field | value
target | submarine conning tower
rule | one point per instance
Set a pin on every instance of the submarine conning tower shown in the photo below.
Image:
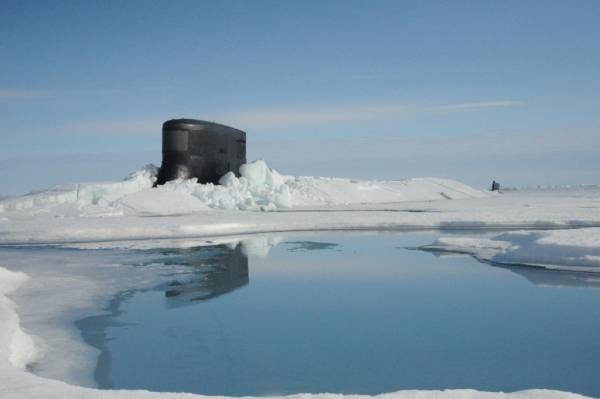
(200, 149)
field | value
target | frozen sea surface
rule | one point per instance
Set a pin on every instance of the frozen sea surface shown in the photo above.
(426, 327)
(346, 313)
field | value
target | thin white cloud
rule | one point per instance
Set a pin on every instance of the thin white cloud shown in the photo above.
(332, 114)
(477, 105)
(10, 94)
(424, 149)
(18, 94)
(134, 126)
(369, 77)
(268, 118)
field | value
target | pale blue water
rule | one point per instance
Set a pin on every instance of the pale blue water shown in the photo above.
(351, 314)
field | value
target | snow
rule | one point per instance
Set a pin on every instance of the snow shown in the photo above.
(569, 250)
(128, 213)
(127, 218)
(161, 202)
(84, 194)
(258, 188)
(131, 209)
(16, 347)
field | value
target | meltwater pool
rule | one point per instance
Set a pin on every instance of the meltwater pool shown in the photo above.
(348, 313)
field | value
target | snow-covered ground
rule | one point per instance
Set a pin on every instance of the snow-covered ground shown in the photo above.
(131, 209)
(122, 214)
(258, 188)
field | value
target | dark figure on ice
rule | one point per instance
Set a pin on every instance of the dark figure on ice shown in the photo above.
(495, 185)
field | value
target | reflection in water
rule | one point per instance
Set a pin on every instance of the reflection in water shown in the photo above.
(349, 314)
(555, 278)
(217, 271)
(295, 246)
(536, 275)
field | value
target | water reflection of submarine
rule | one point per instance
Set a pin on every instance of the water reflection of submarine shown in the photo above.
(225, 270)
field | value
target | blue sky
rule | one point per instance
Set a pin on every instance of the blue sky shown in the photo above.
(472, 90)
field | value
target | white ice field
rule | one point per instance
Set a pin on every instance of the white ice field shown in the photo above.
(558, 229)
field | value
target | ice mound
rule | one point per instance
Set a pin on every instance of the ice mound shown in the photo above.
(259, 187)
(84, 194)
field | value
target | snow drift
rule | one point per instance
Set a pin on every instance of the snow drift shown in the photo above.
(258, 188)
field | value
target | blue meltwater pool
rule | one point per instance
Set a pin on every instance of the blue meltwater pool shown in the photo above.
(349, 313)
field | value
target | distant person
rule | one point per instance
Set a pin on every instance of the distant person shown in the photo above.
(495, 185)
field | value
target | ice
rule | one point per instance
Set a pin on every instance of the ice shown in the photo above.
(16, 346)
(325, 204)
(64, 286)
(259, 187)
(259, 173)
(160, 201)
(185, 208)
(572, 250)
(83, 194)
(115, 214)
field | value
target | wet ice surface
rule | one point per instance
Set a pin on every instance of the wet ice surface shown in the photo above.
(348, 313)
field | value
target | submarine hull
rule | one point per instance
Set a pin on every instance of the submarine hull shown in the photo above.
(204, 150)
